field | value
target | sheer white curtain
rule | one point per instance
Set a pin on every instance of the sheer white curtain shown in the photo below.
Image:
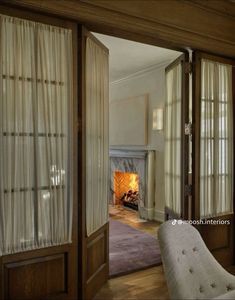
(97, 145)
(35, 98)
(216, 168)
(173, 138)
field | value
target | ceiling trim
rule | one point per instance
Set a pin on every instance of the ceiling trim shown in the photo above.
(206, 5)
(142, 72)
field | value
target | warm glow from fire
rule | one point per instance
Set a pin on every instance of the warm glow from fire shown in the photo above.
(123, 182)
(134, 184)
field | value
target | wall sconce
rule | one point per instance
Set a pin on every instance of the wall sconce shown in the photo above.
(158, 119)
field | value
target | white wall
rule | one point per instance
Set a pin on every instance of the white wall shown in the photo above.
(151, 82)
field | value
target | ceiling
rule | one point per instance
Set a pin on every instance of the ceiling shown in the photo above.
(128, 57)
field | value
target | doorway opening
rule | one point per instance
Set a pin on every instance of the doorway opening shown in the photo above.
(136, 152)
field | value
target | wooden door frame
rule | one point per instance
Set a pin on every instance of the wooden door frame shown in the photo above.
(69, 250)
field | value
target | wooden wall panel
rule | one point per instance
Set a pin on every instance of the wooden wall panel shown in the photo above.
(172, 24)
(183, 15)
(220, 240)
(36, 278)
(96, 261)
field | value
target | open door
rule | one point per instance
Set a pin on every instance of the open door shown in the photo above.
(94, 237)
(177, 131)
(213, 148)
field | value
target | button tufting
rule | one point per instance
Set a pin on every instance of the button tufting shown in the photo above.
(201, 289)
(195, 249)
(229, 287)
(191, 270)
(213, 285)
(183, 252)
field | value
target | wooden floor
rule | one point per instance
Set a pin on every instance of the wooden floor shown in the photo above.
(145, 285)
(131, 218)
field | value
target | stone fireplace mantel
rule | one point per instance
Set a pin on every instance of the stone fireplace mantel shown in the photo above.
(143, 163)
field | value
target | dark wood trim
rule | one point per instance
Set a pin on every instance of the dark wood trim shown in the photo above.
(185, 138)
(222, 8)
(88, 34)
(73, 259)
(212, 57)
(33, 15)
(147, 23)
(81, 145)
(196, 108)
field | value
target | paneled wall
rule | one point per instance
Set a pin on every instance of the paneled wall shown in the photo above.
(198, 24)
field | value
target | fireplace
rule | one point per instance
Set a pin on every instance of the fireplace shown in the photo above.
(132, 180)
(126, 189)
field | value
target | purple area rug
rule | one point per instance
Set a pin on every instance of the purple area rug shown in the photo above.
(130, 250)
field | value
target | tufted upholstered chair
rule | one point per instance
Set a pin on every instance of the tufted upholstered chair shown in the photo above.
(190, 269)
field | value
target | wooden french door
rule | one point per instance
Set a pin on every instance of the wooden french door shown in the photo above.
(50, 272)
(177, 134)
(94, 257)
(213, 148)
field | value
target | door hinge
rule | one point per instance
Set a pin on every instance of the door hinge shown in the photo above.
(188, 190)
(188, 128)
(188, 67)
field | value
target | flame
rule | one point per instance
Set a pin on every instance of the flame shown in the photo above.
(133, 185)
(123, 182)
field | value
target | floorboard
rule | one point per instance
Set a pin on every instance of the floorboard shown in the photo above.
(148, 284)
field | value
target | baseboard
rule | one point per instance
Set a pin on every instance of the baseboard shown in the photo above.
(146, 213)
(159, 216)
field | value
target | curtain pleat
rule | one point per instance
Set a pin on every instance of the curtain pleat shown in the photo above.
(216, 139)
(97, 145)
(173, 138)
(35, 79)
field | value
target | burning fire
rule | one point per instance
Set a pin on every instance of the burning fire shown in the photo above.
(125, 182)
(133, 184)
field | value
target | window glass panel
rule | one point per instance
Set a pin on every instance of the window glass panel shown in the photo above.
(172, 137)
(216, 165)
(35, 118)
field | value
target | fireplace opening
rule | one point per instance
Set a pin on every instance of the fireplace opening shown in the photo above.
(126, 189)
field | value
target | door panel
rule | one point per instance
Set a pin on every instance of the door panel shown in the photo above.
(51, 269)
(176, 141)
(94, 258)
(97, 261)
(44, 273)
(50, 272)
(213, 179)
